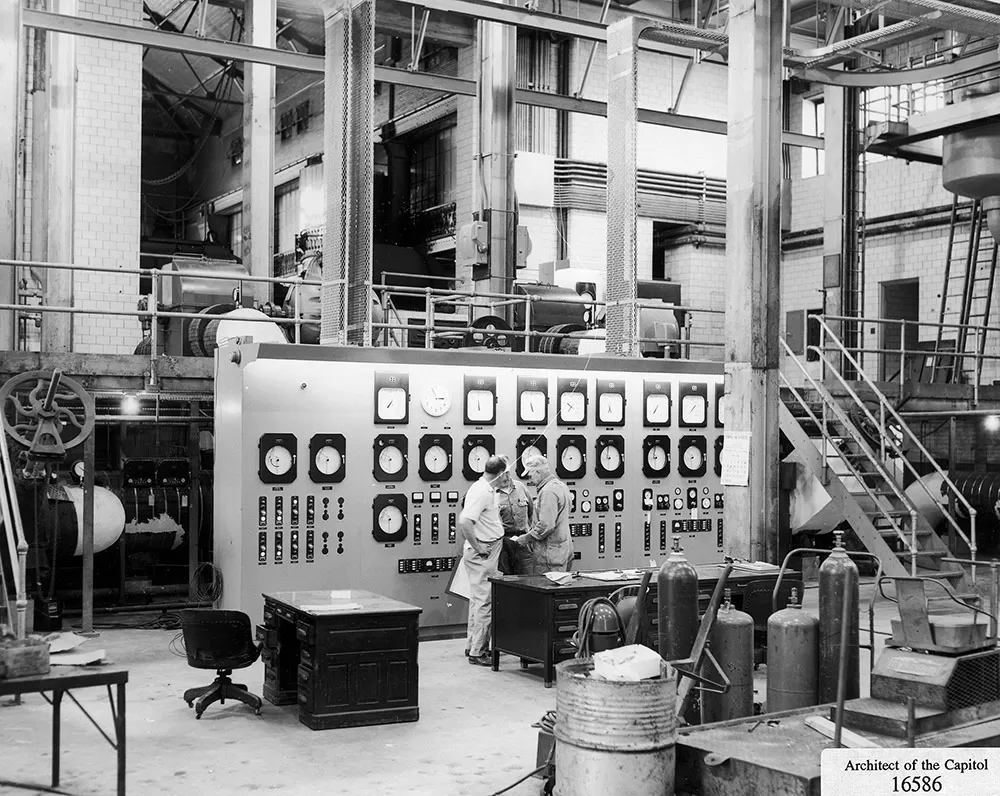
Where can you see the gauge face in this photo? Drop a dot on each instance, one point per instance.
(436, 459)
(476, 459)
(572, 407)
(656, 458)
(328, 460)
(572, 458)
(79, 468)
(531, 450)
(436, 400)
(390, 520)
(390, 460)
(693, 457)
(693, 410)
(278, 460)
(658, 409)
(531, 406)
(722, 410)
(480, 406)
(390, 403)
(610, 408)
(611, 457)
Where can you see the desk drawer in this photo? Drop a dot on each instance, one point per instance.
(562, 651)
(305, 675)
(564, 628)
(567, 605)
(305, 632)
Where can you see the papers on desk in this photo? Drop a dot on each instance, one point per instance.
(754, 566)
(614, 574)
(327, 608)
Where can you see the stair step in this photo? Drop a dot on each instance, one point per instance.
(889, 533)
(922, 553)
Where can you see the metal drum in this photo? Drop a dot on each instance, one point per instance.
(731, 643)
(838, 581)
(613, 736)
(792, 658)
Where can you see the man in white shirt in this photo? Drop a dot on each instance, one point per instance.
(480, 525)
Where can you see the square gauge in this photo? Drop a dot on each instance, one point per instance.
(480, 400)
(571, 402)
(532, 400)
(656, 403)
(392, 398)
(610, 402)
(693, 403)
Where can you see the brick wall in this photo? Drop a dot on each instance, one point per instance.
(107, 214)
(701, 272)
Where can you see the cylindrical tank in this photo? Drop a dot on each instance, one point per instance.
(156, 518)
(731, 643)
(605, 631)
(792, 658)
(109, 517)
(613, 736)
(838, 581)
(677, 596)
(970, 162)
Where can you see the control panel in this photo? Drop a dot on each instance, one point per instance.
(347, 467)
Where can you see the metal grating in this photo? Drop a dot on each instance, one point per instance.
(976, 680)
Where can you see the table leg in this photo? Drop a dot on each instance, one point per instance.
(550, 669)
(56, 721)
(496, 660)
(120, 735)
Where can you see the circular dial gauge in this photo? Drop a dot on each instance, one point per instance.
(678, 503)
(693, 409)
(571, 458)
(79, 468)
(278, 460)
(611, 457)
(528, 452)
(658, 408)
(693, 457)
(436, 400)
(585, 506)
(656, 457)
(390, 520)
(572, 407)
(328, 460)
(436, 459)
(706, 503)
(390, 460)
(477, 459)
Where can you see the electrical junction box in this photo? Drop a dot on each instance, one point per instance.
(472, 244)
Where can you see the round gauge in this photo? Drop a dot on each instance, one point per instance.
(390, 520)
(704, 490)
(328, 460)
(706, 503)
(79, 469)
(278, 460)
(693, 457)
(476, 459)
(571, 458)
(390, 460)
(656, 457)
(678, 503)
(585, 506)
(436, 400)
(611, 458)
(677, 490)
(436, 459)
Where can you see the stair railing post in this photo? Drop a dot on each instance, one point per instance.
(882, 430)
(913, 543)
(902, 357)
(979, 365)
(826, 445)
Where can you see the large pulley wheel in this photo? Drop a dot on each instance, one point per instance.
(46, 412)
(490, 331)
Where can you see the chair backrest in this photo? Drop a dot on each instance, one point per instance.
(757, 598)
(216, 639)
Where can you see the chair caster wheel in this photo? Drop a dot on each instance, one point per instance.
(257, 712)
(197, 715)
(190, 704)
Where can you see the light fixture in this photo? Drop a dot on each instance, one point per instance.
(992, 423)
(130, 405)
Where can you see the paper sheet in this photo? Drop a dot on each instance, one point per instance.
(327, 608)
(62, 642)
(78, 658)
(736, 459)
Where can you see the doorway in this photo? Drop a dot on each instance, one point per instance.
(900, 301)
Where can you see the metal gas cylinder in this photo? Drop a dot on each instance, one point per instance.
(838, 581)
(731, 643)
(792, 658)
(677, 596)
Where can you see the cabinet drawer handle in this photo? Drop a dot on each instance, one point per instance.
(567, 607)
(566, 651)
(565, 628)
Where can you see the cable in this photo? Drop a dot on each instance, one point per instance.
(212, 592)
(6, 783)
(538, 770)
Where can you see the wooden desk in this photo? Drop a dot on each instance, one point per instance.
(535, 619)
(62, 680)
(348, 657)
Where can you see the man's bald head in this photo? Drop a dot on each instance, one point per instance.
(537, 468)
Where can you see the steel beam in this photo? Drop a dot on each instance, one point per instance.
(11, 74)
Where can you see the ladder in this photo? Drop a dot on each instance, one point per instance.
(855, 186)
(966, 298)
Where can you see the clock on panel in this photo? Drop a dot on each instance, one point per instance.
(571, 456)
(691, 455)
(327, 458)
(389, 518)
(532, 400)
(610, 402)
(436, 400)
(656, 404)
(571, 402)
(610, 456)
(278, 454)
(390, 457)
(476, 449)
(529, 445)
(656, 456)
(480, 402)
(692, 399)
(392, 398)
(435, 457)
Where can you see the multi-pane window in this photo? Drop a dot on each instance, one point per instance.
(433, 163)
(813, 123)
(236, 232)
(286, 216)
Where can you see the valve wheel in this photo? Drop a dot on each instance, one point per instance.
(48, 402)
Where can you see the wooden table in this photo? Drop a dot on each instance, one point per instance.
(535, 618)
(62, 680)
(347, 657)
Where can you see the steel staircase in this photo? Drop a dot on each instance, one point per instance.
(966, 298)
(857, 451)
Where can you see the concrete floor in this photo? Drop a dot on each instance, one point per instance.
(473, 737)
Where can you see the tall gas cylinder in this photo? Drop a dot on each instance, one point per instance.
(838, 581)
(677, 596)
(731, 643)
(792, 658)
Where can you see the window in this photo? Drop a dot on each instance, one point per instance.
(236, 233)
(286, 216)
(536, 128)
(813, 123)
(433, 163)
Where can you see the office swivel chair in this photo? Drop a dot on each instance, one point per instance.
(219, 640)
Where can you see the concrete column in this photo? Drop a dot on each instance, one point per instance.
(495, 112)
(753, 254)
(11, 74)
(60, 162)
(258, 149)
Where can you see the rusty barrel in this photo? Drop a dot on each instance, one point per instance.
(613, 736)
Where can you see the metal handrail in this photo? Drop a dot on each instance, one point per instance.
(886, 407)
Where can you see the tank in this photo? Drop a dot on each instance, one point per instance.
(677, 597)
(613, 736)
(109, 518)
(604, 628)
(838, 581)
(731, 643)
(792, 658)
(970, 162)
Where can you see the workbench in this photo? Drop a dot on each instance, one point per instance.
(534, 618)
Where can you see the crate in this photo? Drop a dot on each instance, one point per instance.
(25, 658)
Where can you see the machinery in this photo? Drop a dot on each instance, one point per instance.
(346, 467)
